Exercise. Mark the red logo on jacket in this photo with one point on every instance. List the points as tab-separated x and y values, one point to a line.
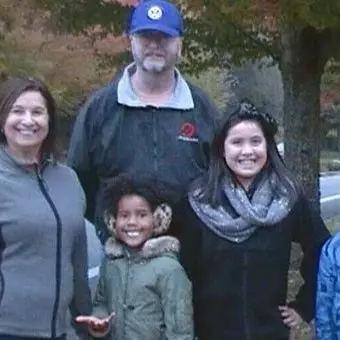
188	129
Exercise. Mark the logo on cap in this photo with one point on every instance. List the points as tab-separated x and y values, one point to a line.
155	13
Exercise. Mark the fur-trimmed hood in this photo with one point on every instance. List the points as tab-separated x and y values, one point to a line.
153	247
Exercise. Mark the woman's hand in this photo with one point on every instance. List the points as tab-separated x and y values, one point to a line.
94	323
290	317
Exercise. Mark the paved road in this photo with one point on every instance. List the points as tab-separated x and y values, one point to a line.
330	195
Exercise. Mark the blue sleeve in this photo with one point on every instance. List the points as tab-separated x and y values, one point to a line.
325	298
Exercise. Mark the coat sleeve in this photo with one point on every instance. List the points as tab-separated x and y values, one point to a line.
325	297
81	301
177	305
311	233
210	114
190	251
100	301
79	155
189	238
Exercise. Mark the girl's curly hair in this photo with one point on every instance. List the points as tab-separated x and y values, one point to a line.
125	185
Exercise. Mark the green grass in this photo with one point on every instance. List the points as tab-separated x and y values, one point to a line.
333	224
327	159
328	154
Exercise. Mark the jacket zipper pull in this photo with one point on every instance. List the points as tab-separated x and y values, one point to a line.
40	177
38	172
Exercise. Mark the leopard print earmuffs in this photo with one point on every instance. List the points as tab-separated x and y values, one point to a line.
161	218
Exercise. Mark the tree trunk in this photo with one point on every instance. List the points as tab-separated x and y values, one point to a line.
302	65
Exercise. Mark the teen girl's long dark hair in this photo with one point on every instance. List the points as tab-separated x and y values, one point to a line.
209	185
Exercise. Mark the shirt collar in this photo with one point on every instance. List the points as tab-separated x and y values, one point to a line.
181	98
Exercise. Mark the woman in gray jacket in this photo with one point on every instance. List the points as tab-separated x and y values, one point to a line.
43	251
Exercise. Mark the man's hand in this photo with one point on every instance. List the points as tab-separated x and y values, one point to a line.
290	317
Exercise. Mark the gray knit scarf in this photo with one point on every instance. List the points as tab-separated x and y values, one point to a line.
269	204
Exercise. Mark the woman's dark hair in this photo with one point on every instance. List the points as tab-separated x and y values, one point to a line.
125	185
209	185
10	90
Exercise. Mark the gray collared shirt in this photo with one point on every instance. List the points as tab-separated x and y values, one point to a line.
181	98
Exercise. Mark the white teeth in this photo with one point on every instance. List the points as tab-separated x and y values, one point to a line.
133	233
27	132
248	161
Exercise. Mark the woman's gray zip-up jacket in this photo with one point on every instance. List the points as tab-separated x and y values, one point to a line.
43	249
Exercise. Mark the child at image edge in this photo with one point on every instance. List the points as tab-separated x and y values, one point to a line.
327	320
143	292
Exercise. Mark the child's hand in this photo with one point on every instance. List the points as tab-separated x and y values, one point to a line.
290	317
94	323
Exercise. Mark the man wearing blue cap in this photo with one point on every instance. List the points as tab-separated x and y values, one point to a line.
149	121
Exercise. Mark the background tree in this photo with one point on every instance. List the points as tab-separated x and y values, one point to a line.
299	36
330	106
66	63
262	84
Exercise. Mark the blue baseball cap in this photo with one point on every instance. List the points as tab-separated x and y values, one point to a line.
156	15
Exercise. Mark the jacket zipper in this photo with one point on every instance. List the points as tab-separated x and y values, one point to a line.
125	290
58	250
2	280
155	141
244	290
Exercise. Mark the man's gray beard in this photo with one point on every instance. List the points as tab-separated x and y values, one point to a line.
154	66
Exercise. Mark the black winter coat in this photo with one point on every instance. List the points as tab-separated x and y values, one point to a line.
237	288
170	145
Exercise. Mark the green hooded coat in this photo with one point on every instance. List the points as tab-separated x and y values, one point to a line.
148	291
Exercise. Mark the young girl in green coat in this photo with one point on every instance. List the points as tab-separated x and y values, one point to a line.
143	292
